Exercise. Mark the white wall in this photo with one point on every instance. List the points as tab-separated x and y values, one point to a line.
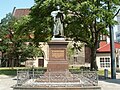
102	55
45	48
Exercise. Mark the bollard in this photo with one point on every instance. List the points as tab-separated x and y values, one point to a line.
106	73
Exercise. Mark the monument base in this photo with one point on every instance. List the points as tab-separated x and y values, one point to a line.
57	66
58	39
57	55
58	88
56	81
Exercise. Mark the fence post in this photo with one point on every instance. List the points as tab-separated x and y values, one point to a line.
17	77
106	73
97	77
49	77
33	73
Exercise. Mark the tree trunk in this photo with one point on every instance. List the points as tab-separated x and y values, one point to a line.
17	61
93	59
12	64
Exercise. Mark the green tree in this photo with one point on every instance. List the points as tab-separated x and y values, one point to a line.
6	34
84	21
13	46
90	18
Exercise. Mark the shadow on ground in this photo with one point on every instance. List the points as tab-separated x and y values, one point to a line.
109	80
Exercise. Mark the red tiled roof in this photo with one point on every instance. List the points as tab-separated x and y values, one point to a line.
21	12
106	48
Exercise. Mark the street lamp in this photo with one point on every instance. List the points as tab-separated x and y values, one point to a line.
113	67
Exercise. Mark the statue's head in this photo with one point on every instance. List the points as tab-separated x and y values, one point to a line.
58	7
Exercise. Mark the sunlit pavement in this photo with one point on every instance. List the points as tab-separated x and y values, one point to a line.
110	84
6	82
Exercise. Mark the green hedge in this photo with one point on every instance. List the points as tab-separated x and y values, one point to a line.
12	72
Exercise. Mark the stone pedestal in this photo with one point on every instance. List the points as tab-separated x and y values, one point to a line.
57	56
58	88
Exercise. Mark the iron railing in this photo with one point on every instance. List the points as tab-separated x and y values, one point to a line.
63	78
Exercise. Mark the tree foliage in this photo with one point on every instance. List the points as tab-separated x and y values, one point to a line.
12	45
90	19
84	21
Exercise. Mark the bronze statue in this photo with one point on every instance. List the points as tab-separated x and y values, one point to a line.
58	23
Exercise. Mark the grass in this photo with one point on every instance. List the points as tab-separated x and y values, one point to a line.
10	72
13	71
101	72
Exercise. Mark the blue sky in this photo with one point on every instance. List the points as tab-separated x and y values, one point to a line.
7	6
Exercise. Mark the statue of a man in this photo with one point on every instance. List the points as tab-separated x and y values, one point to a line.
58	23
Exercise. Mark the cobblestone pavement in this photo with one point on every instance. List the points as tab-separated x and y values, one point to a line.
6	82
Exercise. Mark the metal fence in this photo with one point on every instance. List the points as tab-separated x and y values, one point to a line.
64	78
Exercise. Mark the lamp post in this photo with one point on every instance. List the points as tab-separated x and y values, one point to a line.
113	67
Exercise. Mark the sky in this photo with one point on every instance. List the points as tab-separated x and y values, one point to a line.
6	6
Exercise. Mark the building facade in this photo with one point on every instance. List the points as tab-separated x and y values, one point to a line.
103	56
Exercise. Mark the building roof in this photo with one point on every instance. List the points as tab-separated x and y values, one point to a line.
106	48
21	12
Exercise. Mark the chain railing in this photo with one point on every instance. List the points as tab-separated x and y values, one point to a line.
63	78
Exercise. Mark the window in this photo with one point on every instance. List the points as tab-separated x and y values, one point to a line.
103	37
104	62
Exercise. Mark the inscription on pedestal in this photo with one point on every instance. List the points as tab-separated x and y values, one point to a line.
57	54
